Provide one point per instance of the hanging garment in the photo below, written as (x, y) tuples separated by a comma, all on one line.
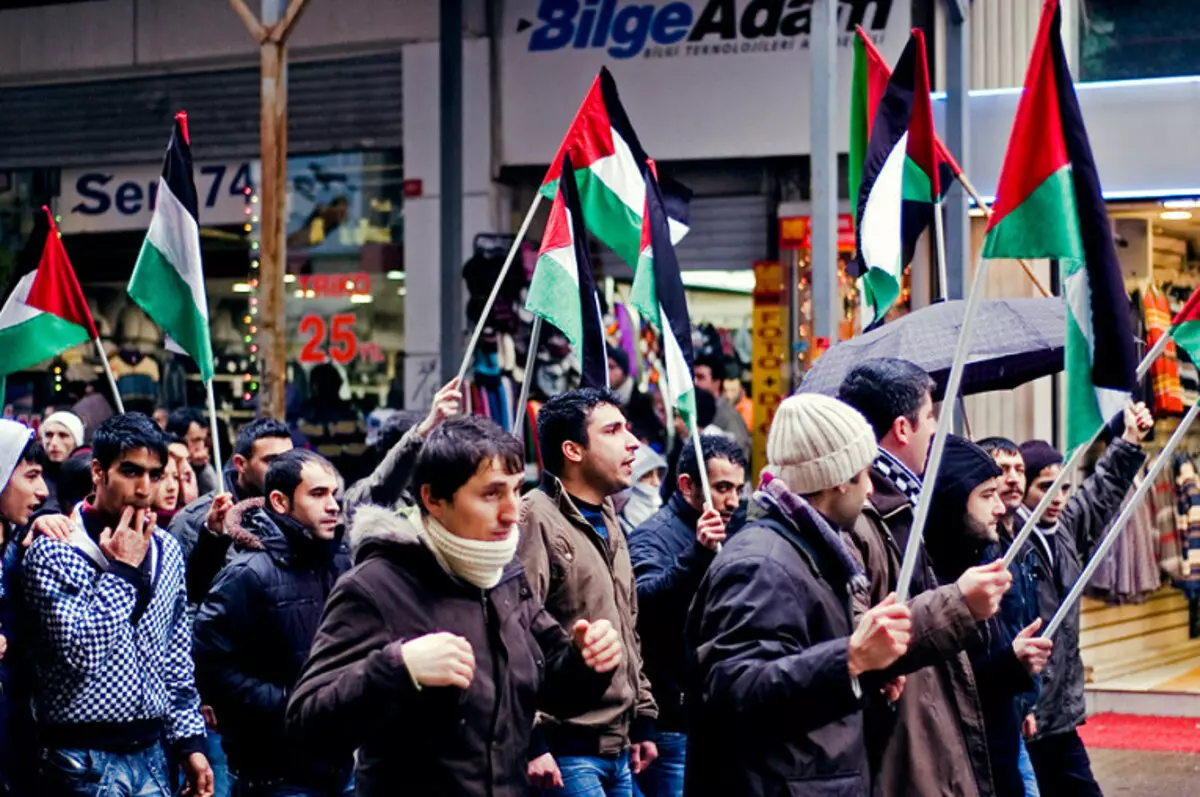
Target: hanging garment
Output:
[(1164, 372), (1189, 518)]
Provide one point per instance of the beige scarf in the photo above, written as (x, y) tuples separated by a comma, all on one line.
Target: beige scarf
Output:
[(477, 562)]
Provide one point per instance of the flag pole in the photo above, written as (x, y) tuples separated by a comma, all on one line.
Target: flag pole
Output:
[(212, 425), (945, 419), (530, 361), (108, 372), (1119, 524), (940, 233), (487, 308), (961, 176), (1072, 462)]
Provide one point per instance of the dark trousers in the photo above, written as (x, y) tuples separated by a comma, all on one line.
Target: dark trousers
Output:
[(1062, 766)]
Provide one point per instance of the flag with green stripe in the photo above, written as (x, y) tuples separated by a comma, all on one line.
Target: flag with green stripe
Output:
[(168, 279)]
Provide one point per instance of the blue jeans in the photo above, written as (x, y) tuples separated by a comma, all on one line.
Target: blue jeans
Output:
[(664, 776), (1025, 767), (241, 787), (594, 776), (74, 772), (220, 766)]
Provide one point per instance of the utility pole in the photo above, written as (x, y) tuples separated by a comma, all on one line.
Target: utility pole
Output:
[(450, 105), (272, 34), (826, 297)]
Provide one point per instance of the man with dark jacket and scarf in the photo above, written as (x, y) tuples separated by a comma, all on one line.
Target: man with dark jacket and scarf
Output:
[(254, 630), (433, 652), (199, 526), (577, 560), (778, 672), (963, 531), (932, 739), (1056, 553), (670, 553)]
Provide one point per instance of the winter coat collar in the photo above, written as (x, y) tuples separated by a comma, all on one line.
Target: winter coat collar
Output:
[(553, 487), (253, 527), (683, 510)]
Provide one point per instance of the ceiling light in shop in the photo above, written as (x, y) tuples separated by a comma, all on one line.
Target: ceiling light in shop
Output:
[(299, 294), (976, 213), (740, 281), (1181, 204), (242, 287), (402, 291), (1175, 215), (289, 278), (395, 276), (361, 298)]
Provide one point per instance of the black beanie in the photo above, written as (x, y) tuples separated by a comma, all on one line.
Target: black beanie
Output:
[(964, 467), (620, 357), (1038, 454)]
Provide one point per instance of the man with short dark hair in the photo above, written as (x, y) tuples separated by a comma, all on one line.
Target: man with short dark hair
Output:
[(708, 374), (199, 526), (114, 665), (254, 630), (188, 424), (671, 552), (434, 653), (637, 407), (577, 561), (932, 739), (1056, 553)]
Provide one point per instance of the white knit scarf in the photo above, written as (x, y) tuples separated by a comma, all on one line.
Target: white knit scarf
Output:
[(477, 562)]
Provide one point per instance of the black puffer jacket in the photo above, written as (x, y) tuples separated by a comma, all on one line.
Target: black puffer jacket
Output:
[(252, 635), (433, 742), (668, 564), (775, 711)]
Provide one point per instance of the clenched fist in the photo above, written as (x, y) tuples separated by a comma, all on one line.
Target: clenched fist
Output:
[(983, 587), (881, 637), (441, 659), (710, 530), (447, 403), (1033, 652)]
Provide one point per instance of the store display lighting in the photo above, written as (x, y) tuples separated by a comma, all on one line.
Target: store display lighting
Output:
[(395, 276), (289, 278), (242, 287), (1181, 204), (361, 298), (251, 228), (1175, 215), (402, 291)]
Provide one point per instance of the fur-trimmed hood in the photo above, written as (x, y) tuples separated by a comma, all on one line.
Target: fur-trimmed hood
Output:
[(244, 535), (373, 523)]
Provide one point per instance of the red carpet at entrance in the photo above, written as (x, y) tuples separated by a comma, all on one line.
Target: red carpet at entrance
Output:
[(1133, 732)]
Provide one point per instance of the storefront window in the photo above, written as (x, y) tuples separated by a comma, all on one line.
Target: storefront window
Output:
[(1122, 40)]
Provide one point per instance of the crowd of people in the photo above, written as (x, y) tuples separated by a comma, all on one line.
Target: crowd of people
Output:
[(440, 627)]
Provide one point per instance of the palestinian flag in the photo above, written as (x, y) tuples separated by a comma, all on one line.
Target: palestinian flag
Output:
[(658, 295), (563, 289), (168, 279), (609, 163), (1185, 329), (45, 312), (1049, 205), (901, 181)]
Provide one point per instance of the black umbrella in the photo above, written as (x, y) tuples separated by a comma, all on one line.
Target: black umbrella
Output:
[(1015, 341)]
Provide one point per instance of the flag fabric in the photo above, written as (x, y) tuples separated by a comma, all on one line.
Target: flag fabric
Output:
[(168, 279), (45, 312), (658, 295), (1049, 205), (902, 178), (563, 289), (609, 162), (1185, 327)]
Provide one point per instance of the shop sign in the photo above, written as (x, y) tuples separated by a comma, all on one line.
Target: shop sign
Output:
[(334, 338), (112, 198), (769, 353), (795, 232), (700, 79)]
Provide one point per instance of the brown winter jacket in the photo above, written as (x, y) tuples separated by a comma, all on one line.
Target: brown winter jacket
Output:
[(581, 576), (356, 692), (932, 742)]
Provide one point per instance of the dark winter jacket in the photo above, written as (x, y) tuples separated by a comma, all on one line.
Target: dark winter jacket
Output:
[(204, 552), (933, 740), (668, 564), (1060, 707), (18, 746), (388, 484), (774, 709), (433, 742), (1019, 608), (252, 635)]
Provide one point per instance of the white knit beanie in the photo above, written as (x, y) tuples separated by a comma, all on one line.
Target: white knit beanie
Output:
[(817, 442), (70, 421), (14, 436)]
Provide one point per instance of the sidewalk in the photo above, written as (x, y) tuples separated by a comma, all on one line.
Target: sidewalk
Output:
[(1141, 773)]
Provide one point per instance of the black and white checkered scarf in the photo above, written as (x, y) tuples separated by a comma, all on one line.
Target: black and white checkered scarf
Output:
[(899, 475)]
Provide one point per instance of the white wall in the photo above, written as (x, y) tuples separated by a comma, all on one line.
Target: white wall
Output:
[(95, 39), (422, 233)]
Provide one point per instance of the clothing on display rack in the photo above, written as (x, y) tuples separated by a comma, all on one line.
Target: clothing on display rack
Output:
[(1129, 572), (1164, 372)]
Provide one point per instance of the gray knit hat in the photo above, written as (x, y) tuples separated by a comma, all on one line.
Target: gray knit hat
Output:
[(817, 442)]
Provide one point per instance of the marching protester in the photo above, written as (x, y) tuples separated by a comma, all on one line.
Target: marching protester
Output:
[(636, 406), (189, 489), (932, 739), (778, 672), (577, 561), (61, 433), (188, 424), (167, 492), (22, 463), (641, 499), (254, 630), (113, 641), (433, 651), (964, 519), (670, 553), (199, 527), (1056, 554), (709, 376)]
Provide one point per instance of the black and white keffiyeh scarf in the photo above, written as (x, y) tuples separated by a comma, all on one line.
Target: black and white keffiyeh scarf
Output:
[(899, 475)]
